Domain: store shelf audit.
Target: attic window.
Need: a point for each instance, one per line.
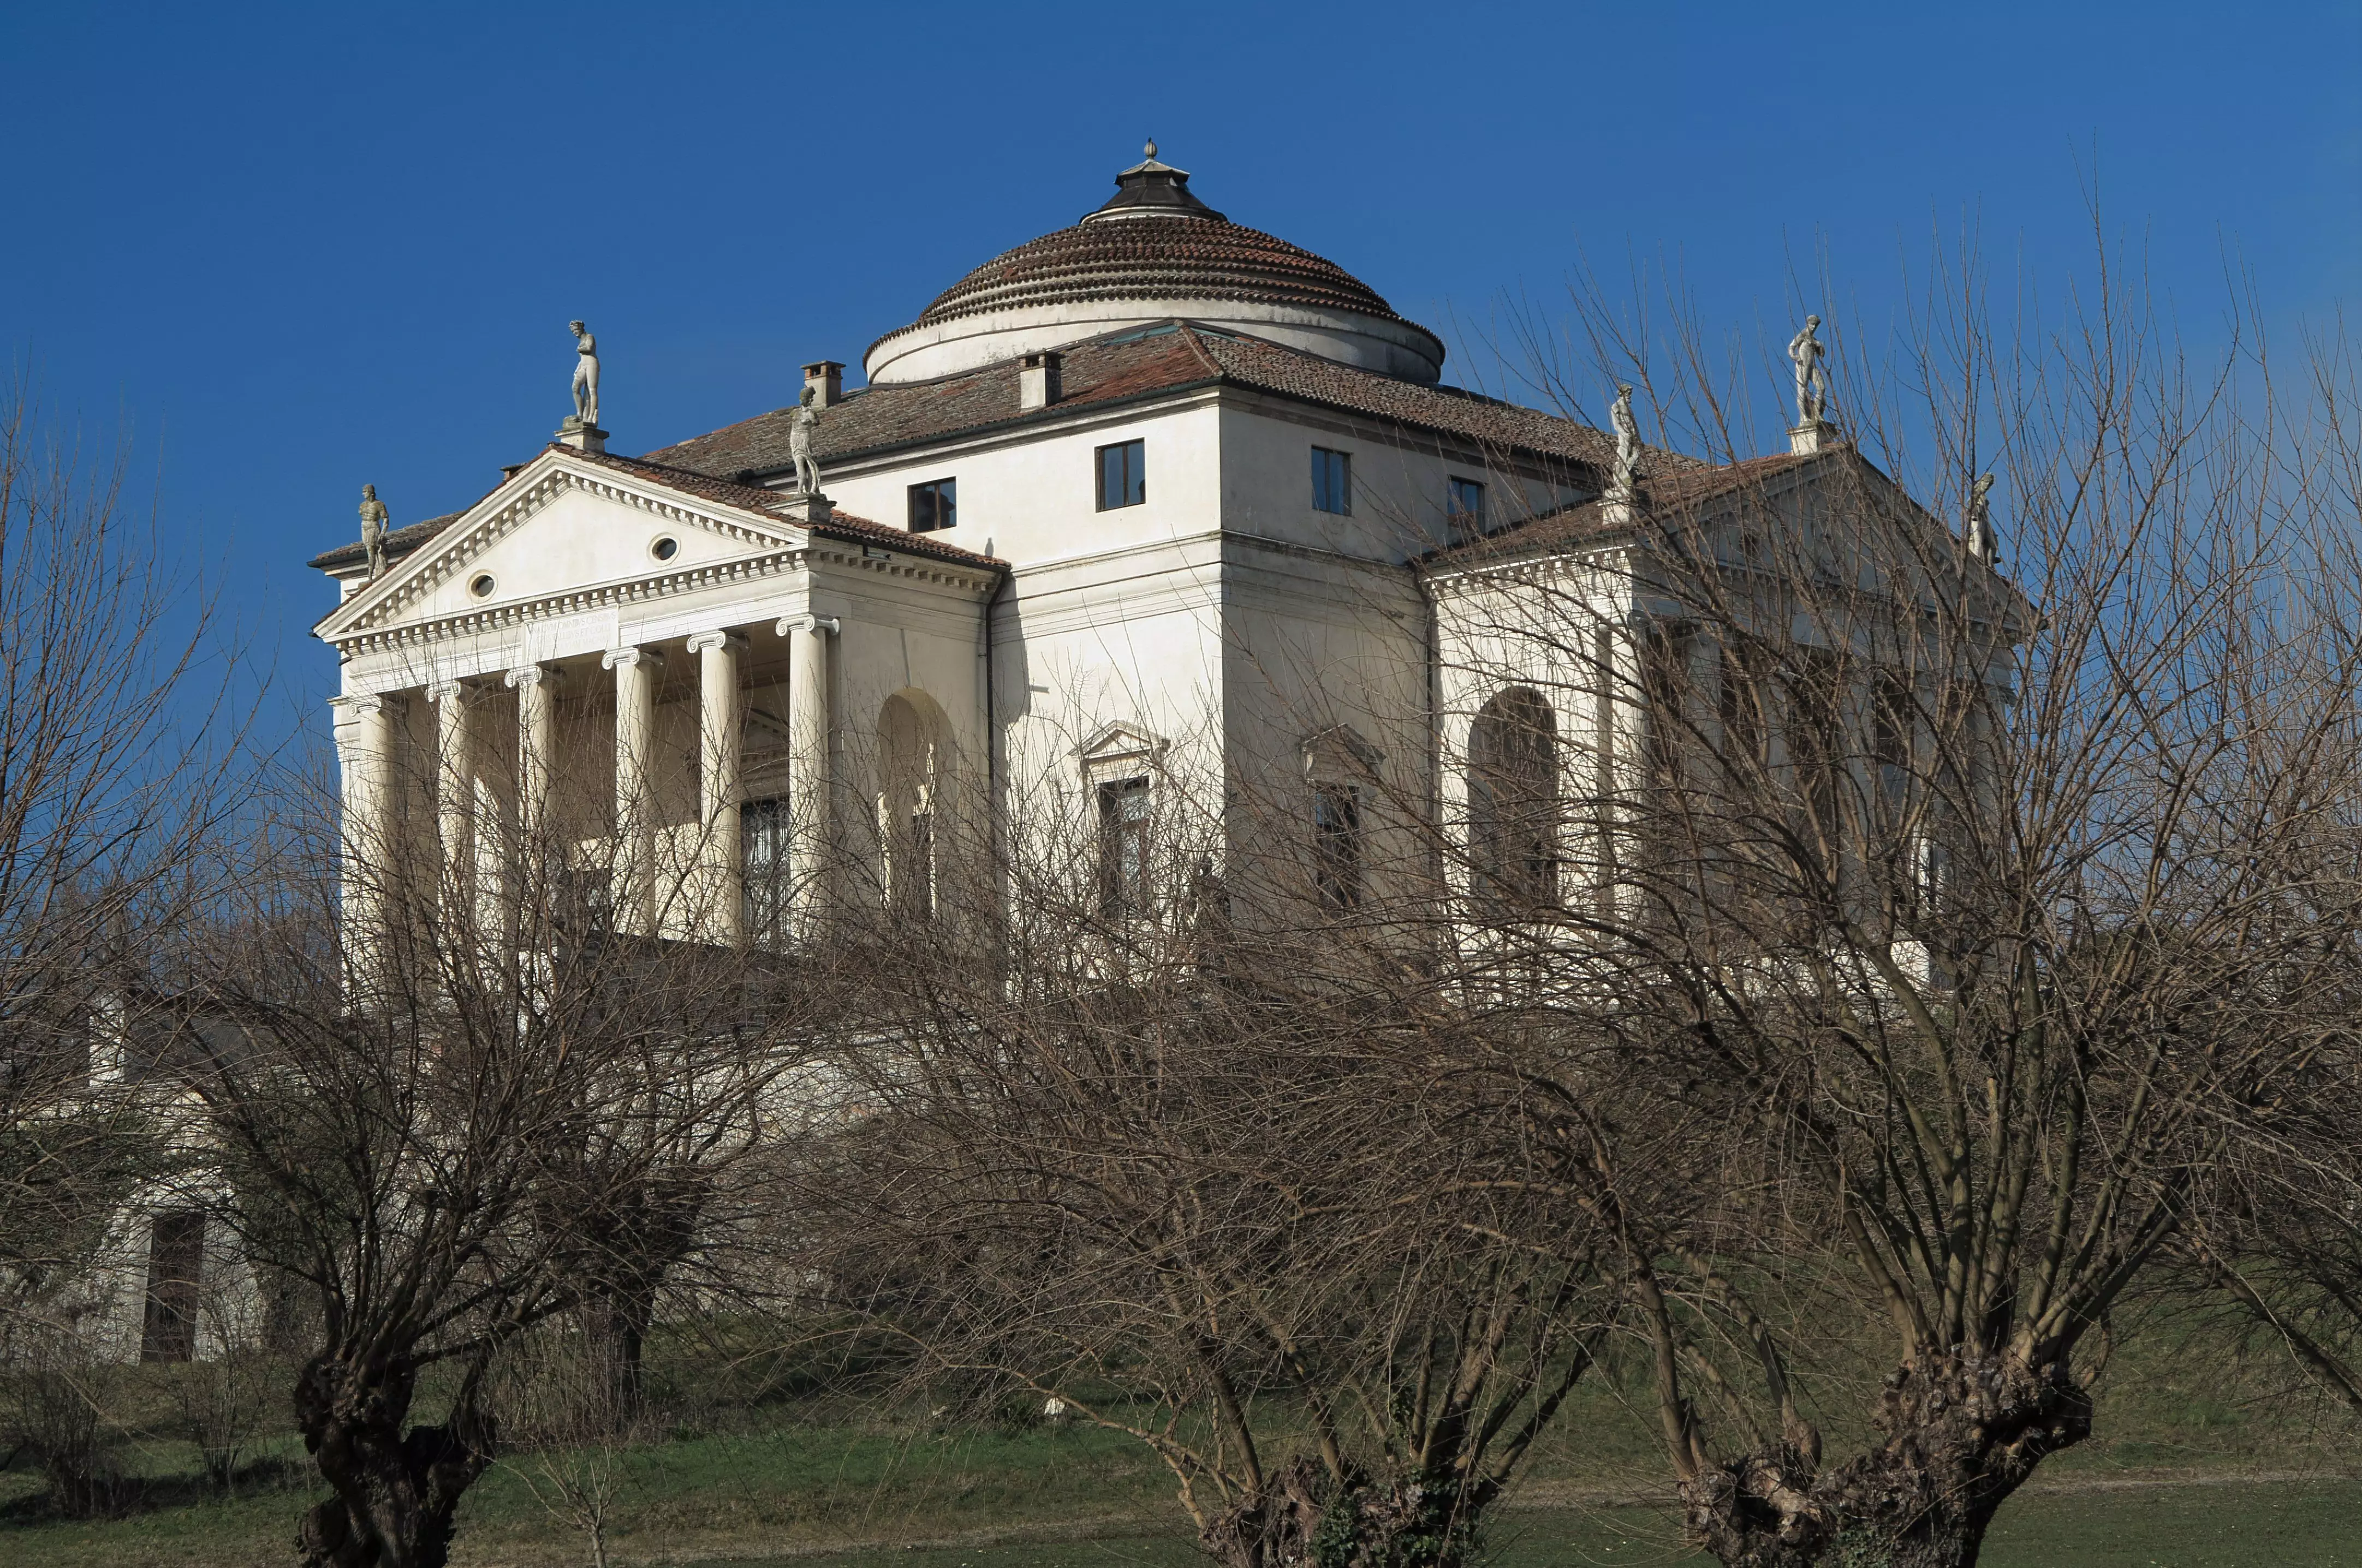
(482, 586)
(665, 547)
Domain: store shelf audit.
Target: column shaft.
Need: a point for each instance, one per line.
(368, 817)
(455, 787)
(532, 878)
(718, 726)
(636, 740)
(810, 783)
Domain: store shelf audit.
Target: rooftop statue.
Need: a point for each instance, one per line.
(1982, 544)
(586, 374)
(800, 440)
(1805, 351)
(1627, 442)
(373, 520)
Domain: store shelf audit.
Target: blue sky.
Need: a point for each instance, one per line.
(297, 249)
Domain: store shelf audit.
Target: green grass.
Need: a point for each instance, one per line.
(2196, 1464)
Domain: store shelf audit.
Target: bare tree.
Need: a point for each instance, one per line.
(457, 1121)
(1922, 941)
(1199, 1174)
(117, 729)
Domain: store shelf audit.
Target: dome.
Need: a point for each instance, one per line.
(1154, 251)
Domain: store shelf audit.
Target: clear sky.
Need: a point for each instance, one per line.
(295, 248)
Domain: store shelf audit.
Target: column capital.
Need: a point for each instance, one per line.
(701, 641)
(368, 703)
(828, 623)
(437, 690)
(528, 675)
(614, 658)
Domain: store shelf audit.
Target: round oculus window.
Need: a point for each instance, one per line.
(481, 585)
(665, 547)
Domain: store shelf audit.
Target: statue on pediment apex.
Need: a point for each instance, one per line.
(586, 375)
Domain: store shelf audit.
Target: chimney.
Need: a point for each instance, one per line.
(1037, 381)
(825, 379)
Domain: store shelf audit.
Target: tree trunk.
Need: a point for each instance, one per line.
(395, 1491)
(1962, 1432)
(1305, 1517)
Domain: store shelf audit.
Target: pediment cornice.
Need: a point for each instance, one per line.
(375, 617)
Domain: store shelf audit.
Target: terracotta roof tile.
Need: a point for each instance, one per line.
(1587, 521)
(398, 544)
(1171, 357)
(753, 498)
(1164, 258)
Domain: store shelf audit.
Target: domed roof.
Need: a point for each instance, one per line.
(1154, 251)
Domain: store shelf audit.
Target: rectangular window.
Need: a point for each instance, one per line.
(1332, 481)
(1123, 848)
(1464, 509)
(764, 828)
(176, 1260)
(1337, 844)
(934, 506)
(1123, 475)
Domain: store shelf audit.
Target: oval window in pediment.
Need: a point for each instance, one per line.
(664, 547)
(481, 585)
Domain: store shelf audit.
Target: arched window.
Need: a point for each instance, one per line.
(913, 755)
(1513, 814)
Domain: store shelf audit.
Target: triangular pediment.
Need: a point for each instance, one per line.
(566, 530)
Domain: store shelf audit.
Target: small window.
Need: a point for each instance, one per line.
(934, 506)
(665, 547)
(1123, 848)
(483, 585)
(1465, 508)
(1337, 844)
(1332, 481)
(1123, 475)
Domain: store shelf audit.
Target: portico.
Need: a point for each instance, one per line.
(507, 724)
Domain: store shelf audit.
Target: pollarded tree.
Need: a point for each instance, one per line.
(1954, 928)
(1201, 1175)
(464, 1119)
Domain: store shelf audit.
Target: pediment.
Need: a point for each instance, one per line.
(1339, 753)
(564, 532)
(1120, 745)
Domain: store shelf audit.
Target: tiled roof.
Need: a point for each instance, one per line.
(1659, 497)
(1177, 258)
(399, 543)
(1173, 357)
(842, 525)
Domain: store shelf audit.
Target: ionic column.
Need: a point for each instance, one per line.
(537, 745)
(718, 735)
(531, 876)
(809, 784)
(455, 790)
(635, 743)
(365, 731)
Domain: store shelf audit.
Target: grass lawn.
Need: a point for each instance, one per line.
(2187, 1470)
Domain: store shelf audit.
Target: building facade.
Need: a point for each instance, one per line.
(1155, 506)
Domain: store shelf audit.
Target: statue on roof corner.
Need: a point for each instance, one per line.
(373, 520)
(799, 445)
(1805, 353)
(586, 375)
(1983, 545)
(1627, 443)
